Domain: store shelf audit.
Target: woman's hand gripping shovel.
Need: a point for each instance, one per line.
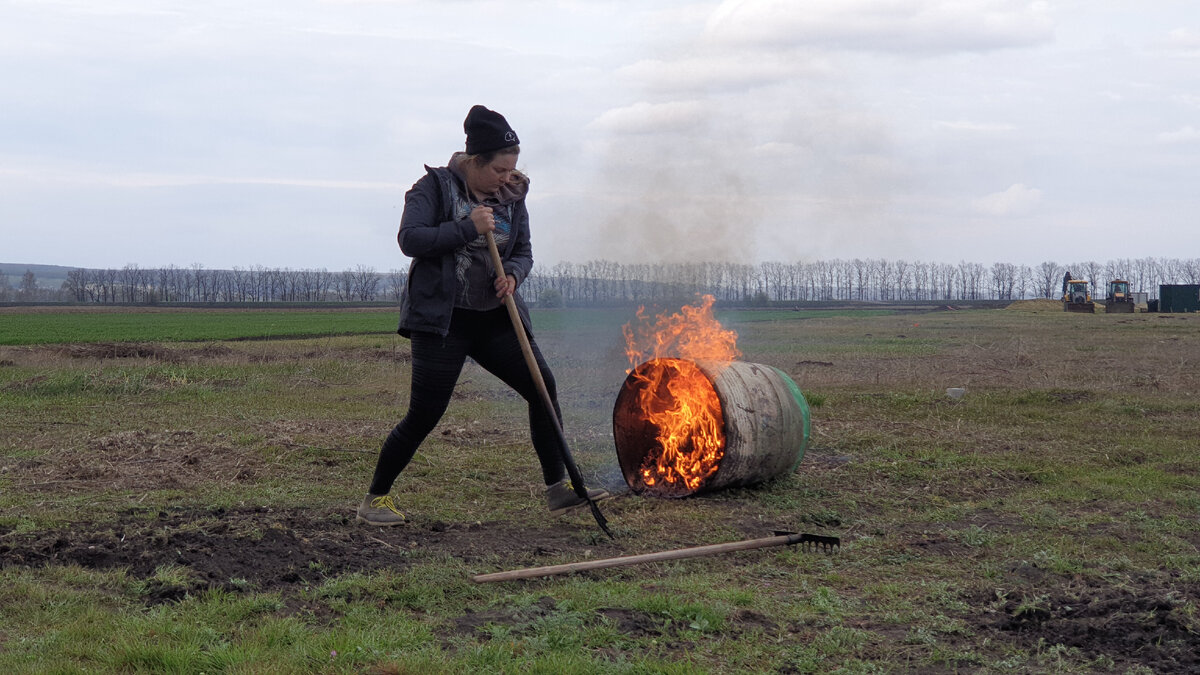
(536, 373)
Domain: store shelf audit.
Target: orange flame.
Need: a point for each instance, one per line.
(693, 334)
(676, 397)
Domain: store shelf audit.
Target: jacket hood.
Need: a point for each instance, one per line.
(514, 191)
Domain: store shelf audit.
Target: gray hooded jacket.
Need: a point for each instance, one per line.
(431, 236)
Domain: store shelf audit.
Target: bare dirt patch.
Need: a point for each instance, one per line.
(118, 350)
(1149, 624)
(269, 549)
(139, 459)
(209, 352)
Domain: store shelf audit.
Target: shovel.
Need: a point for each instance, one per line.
(536, 373)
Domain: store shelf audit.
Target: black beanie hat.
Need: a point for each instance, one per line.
(487, 130)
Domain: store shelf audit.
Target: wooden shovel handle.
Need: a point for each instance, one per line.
(535, 370)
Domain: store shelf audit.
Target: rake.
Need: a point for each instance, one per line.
(811, 542)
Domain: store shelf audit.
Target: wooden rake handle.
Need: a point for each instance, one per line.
(526, 348)
(814, 541)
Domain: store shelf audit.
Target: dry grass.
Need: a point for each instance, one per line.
(1045, 522)
(990, 350)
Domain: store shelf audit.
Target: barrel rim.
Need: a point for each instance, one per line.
(627, 389)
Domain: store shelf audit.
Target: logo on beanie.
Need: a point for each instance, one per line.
(487, 130)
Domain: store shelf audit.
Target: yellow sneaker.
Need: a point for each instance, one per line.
(379, 510)
(561, 497)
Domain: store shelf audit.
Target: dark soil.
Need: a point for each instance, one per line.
(269, 549)
(1146, 623)
(118, 350)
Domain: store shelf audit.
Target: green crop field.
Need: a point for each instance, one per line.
(42, 327)
(179, 502)
(25, 327)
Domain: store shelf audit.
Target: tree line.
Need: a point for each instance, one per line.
(600, 282)
(196, 284)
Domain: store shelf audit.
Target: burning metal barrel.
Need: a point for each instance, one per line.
(683, 427)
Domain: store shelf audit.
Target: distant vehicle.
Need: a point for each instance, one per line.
(1179, 297)
(1076, 297)
(1119, 300)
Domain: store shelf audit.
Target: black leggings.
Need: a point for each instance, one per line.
(489, 339)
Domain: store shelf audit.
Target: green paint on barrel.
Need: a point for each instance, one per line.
(805, 411)
(766, 423)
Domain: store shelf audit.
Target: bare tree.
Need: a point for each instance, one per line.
(1024, 281)
(902, 275)
(1093, 271)
(364, 283)
(1151, 272)
(971, 277)
(109, 280)
(28, 288)
(398, 281)
(920, 281)
(1190, 270)
(75, 285)
(950, 275)
(1114, 269)
(1049, 275)
(127, 279)
(1003, 280)
(225, 285)
(167, 286)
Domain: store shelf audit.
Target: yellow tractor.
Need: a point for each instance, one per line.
(1120, 300)
(1076, 297)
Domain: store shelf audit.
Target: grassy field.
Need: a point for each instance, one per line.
(98, 324)
(184, 503)
(101, 324)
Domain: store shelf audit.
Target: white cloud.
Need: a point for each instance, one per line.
(650, 118)
(1190, 100)
(778, 150)
(32, 173)
(1183, 42)
(722, 69)
(914, 26)
(966, 125)
(1187, 134)
(1018, 200)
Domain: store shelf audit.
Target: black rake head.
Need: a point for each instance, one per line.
(817, 542)
(814, 542)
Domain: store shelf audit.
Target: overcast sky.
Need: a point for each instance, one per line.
(247, 133)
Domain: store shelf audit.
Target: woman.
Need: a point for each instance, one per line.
(454, 304)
